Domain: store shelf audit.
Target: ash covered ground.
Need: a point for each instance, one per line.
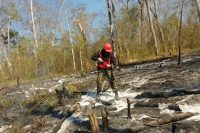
(157, 91)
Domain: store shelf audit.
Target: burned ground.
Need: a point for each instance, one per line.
(157, 91)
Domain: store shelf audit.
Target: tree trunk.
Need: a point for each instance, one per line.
(157, 21)
(34, 29)
(35, 44)
(142, 39)
(84, 40)
(8, 32)
(129, 109)
(111, 23)
(81, 59)
(5, 55)
(180, 34)
(2, 72)
(73, 55)
(176, 117)
(2, 48)
(152, 28)
(198, 8)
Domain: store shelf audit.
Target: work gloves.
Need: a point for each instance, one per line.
(100, 60)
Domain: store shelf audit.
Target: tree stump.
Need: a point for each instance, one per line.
(129, 108)
(93, 121)
(104, 114)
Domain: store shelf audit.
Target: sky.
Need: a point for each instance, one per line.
(93, 6)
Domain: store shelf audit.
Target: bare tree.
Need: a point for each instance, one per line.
(111, 16)
(142, 37)
(34, 28)
(152, 27)
(2, 72)
(70, 35)
(2, 47)
(198, 8)
(157, 20)
(180, 34)
(84, 39)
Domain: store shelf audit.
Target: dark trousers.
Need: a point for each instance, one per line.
(102, 76)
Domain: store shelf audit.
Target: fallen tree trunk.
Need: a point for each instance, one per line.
(73, 112)
(158, 122)
(146, 104)
(172, 93)
(140, 104)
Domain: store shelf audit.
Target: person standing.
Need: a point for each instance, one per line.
(106, 61)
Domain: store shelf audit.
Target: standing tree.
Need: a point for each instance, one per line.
(158, 23)
(198, 8)
(2, 47)
(152, 27)
(180, 34)
(84, 40)
(34, 28)
(10, 14)
(111, 17)
(72, 44)
(142, 37)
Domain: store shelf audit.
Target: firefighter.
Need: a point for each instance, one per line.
(106, 61)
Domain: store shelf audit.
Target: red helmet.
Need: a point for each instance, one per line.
(107, 47)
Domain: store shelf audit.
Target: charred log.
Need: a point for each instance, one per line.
(172, 93)
(174, 107)
(129, 108)
(158, 122)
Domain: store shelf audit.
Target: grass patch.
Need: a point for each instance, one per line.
(4, 102)
(41, 103)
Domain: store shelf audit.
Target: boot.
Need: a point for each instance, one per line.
(116, 95)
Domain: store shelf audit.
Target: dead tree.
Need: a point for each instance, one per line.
(180, 34)
(142, 36)
(72, 44)
(111, 17)
(34, 28)
(2, 47)
(2, 72)
(84, 39)
(157, 21)
(198, 8)
(152, 27)
(18, 82)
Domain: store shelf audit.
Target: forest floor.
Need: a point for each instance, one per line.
(156, 90)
